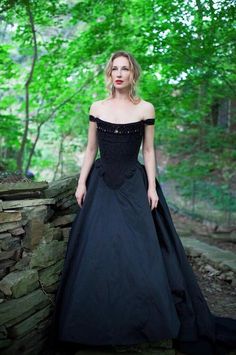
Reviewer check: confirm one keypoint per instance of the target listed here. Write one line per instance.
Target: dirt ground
(219, 294)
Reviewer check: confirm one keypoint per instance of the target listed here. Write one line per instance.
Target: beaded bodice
(119, 145)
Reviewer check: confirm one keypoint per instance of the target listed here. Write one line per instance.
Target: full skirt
(126, 278)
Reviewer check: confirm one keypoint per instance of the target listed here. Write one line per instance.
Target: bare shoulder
(148, 109)
(94, 107)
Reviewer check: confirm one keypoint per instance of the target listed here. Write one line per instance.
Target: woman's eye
(122, 68)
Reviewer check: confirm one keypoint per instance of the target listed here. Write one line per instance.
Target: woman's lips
(119, 81)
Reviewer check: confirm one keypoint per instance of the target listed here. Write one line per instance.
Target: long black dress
(126, 278)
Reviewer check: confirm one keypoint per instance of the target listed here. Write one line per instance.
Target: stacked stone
(35, 221)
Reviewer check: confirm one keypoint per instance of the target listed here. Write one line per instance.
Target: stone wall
(35, 220)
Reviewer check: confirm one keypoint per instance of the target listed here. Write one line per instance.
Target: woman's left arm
(149, 156)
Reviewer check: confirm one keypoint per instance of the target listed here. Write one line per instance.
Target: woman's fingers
(79, 200)
(80, 195)
(152, 198)
(153, 203)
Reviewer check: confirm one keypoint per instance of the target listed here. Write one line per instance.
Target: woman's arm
(149, 156)
(91, 149)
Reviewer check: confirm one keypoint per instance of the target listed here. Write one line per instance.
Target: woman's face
(120, 72)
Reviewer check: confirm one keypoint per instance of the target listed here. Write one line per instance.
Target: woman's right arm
(89, 156)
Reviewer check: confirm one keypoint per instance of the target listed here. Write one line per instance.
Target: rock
(63, 220)
(41, 213)
(26, 253)
(225, 237)
(66, 233)
(184, 231)
(60, 199)
(50, 275)
(4, 343)
(11, 254)
(30, 323)
(227, 276)
(52, 234)
(12, 187)
(30, 202)
(8, 226)
(17, 231)
(225, 229)
(192, 252)
(22, 195)
(10, 216)
(59, 187)
(211, 226)
(72, 209)
(232, 236)
(229, 264)
(233, 283)
(5, 265)
(15, 310)
(10, 243)
(22, 264)
(67, 203)
(31, 262)
(47, 254)
(30, 344)
(3, 332)
(4, 235)
(220, 259)
(34, 231)
(211, 271)
(19, 283)
(52, 288)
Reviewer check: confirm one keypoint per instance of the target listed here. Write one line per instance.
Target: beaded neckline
(121, 124)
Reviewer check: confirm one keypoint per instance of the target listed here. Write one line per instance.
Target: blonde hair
(134, 75)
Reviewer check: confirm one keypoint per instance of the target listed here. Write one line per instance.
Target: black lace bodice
(119, 145)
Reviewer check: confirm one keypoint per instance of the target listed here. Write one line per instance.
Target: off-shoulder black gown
(126, 278)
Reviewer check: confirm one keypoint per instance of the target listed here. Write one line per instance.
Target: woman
(126, 278)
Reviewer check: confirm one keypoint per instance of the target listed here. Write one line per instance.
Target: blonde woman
(126, 279)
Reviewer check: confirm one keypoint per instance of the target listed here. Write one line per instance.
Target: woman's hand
(152, 197)
(80, 194)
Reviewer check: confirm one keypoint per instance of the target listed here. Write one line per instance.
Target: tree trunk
(20, 155)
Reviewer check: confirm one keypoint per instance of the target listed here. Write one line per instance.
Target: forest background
(52, 59)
